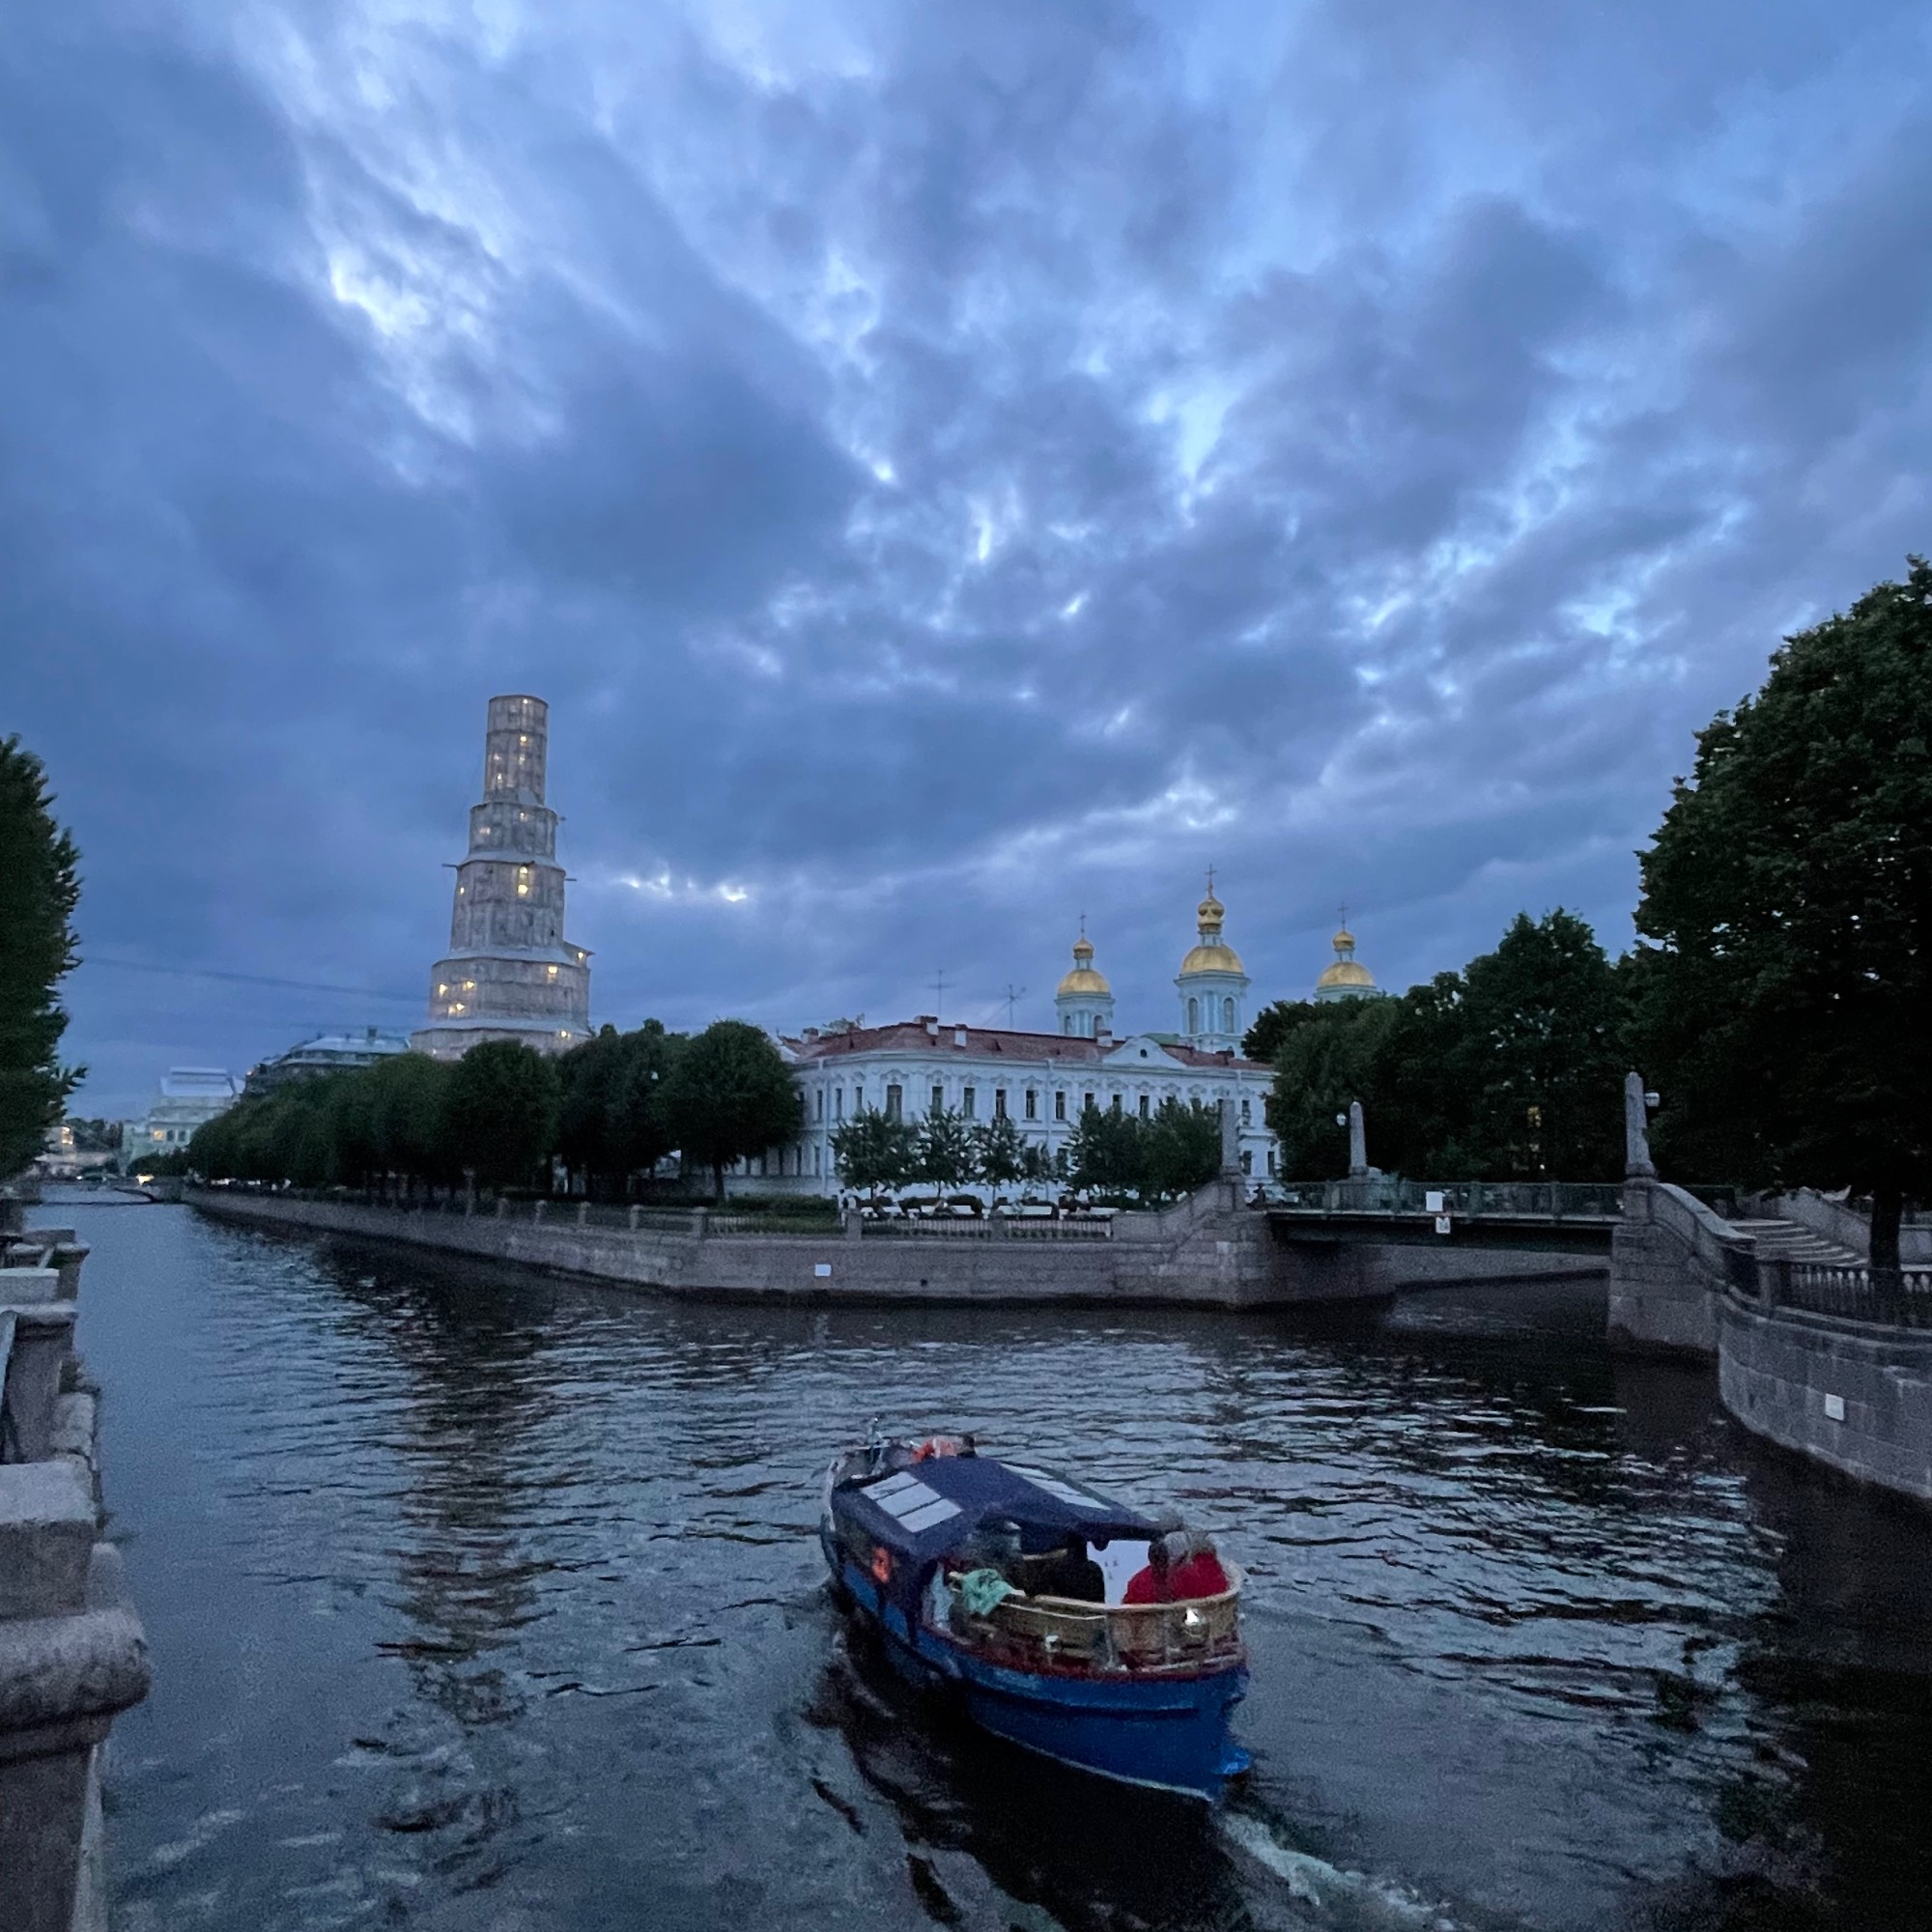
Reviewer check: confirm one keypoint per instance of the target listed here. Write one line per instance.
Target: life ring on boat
(882, 1564)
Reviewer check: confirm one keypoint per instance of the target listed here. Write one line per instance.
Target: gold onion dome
(1211, 956)
(1083, 979)
(1346, 971)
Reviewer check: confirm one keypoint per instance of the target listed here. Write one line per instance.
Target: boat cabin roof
(924, 1512)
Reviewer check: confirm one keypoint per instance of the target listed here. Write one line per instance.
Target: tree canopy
(40, 886)
(1508, 1070)
(614, 1118)
(1783, 1005)
(729, 1096)
(501, 1111)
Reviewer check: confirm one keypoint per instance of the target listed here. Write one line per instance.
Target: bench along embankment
(1207, 1251)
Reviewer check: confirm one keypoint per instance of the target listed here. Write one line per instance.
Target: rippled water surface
(479, 1602)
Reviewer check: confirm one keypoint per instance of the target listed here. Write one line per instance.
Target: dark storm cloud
(947, 468)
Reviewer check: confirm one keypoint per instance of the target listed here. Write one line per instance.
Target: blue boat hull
(1168, 1732)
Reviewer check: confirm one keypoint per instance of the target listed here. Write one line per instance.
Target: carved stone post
(1230, 1141)
(1637, 1163)
(1358, 1144)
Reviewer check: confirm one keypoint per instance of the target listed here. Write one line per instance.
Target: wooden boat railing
(1060, 1632)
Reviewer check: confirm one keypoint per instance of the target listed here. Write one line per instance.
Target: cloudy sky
(948, 467)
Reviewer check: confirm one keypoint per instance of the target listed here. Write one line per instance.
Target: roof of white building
(925, 1037)
(199, 1083)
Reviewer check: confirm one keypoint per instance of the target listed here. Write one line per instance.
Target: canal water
(479, 1602)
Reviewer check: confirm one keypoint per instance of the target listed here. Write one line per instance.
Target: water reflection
(523, 1578)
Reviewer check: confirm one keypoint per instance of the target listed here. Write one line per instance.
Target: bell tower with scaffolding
(510, 974)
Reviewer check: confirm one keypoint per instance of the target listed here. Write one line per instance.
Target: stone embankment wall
(1855, 1397)
(72, 1655)
(1671, 1259)
(1207, 1251)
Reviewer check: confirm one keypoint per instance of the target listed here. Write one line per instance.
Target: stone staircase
(1791, 1241)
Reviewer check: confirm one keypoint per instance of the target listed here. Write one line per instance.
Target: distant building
(1042, 1082)
(326, 1053)
(1347, 979)
(510, 974)
(189, 1097)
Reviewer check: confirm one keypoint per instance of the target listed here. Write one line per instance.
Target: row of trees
(610, 1108)
(1110, 1151)
(1780, 996)
(1511, 1069)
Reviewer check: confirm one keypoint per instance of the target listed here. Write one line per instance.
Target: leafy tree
(501, 1111)
(40, 886)
(1105, 1152)
(730, 1096)
(948, 1154)
(640, 1128)
(1323, 1064)
(875, 1149)
(1042, 1163)
(1784, 1009)
(1182, 1149)
(1544, 1054)
(591, 1078)
(409, 1097)
(998, 1152)
(1274, 1023)
(1421, 1092)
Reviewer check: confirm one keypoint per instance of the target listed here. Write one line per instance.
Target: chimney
(930, 1022)
(1103, 1029)
(811, 1033)
(958, 1035)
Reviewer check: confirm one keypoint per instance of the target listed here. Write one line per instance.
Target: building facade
(1041, 1081)
(510, 973)
(326, 1053)
(188, 1098)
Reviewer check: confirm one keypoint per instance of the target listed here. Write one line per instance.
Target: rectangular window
(1247, 1113)
(1146, 1107)
(1032, 1104)
(999, 1103)
(837, 1103)
(1086, 1101)
(966, 1102)
(938, 1100)
(1118, 1099)
(859, 1097)
(818, 1103)
(1060, 1103)
(895, 1101)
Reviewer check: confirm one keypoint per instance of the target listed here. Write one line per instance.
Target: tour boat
(1136, 1692)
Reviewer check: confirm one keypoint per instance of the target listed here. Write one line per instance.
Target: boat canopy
(924, 1512)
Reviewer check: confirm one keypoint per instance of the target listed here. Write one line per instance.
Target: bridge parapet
(1384, 1194)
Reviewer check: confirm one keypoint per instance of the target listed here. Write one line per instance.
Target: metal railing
(992, 1228)
(1059, 1633)
(1881, 1298)
(1515, 1200)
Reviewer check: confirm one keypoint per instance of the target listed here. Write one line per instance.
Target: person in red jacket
(1180, 1569)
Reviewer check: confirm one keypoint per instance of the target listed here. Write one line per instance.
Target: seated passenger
(1194, 1570)
(1068, 1572)
(1151, 1585)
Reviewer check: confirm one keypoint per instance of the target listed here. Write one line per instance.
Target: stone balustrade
(72, 1655)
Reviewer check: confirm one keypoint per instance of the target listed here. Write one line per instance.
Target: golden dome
(1213, 955)
(1345, 976)
(1083, 979)
(1215, 958)
(1347, 973)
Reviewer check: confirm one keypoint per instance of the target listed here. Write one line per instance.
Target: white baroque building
(1041, 1081)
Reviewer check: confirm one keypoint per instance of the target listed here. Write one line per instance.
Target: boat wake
(1350, 1901)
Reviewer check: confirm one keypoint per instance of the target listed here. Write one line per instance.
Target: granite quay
(72, 1655)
